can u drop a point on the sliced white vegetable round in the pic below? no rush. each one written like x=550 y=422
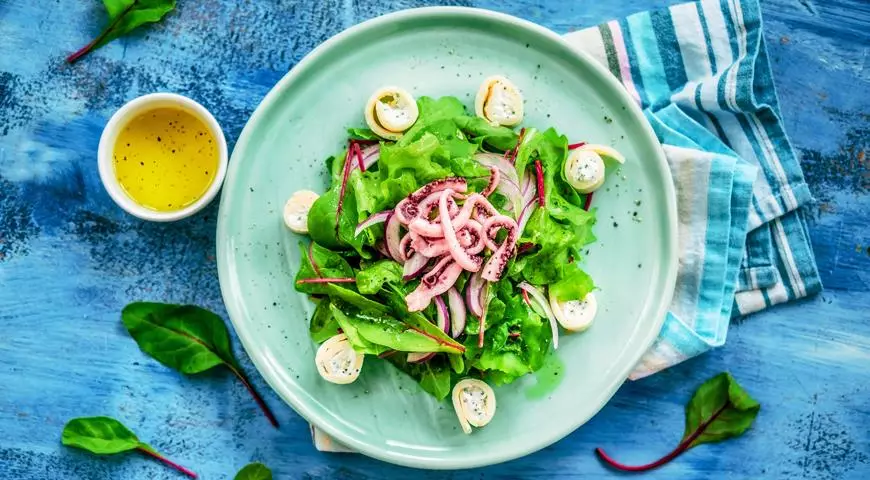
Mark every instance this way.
x=296 y=210
x=575 y=315
x=390 y=111
x=337 y=361
x=604 y=151
x=474 y=402
x=584 y=170
x=499 y=102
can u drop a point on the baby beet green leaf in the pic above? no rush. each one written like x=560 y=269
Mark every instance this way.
x=107 y=436
x=719 y=409
x=186 y=338
x=254 y=471
x=124 y=16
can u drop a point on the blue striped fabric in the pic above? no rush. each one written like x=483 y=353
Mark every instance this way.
x=700 y=71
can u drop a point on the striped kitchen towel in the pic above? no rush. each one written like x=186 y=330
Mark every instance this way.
x=700 y=72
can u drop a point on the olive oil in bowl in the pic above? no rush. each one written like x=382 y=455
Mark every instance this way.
x=165 y=159
x=162 y=157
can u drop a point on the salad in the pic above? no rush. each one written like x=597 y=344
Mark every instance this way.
x=449 y=244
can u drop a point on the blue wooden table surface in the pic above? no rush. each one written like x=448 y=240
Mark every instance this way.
x=70 y=259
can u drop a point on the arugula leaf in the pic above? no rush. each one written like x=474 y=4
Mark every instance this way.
x=323 y=324
x=254 y=471
x=346 y=295
x=365 y=328
x=720 y=409
x=107 y=436
x=124 y=16
x=432 y=375
x=186 y=338
x=373 y=278
x=321 y=223
x=100 y=435
x=330 y=265
x=348 y=326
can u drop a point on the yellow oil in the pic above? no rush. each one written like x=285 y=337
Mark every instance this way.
x=165 y=159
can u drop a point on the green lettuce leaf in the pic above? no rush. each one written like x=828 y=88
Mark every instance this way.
x=574 y=285
x=480 y=131
x=362 y=134
x=373 y=278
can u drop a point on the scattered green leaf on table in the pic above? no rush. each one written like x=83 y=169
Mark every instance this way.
x=186 y=338
x=254 y=471
x=124 y=16
x=107 y=436
x=720 y=409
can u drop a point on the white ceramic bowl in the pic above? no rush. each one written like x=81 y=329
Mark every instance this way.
x=120 y=119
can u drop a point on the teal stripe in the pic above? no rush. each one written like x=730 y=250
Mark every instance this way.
x=718 y=225
x=610 y=50
x=668 y=48
x=650 y=65
x=744 y=177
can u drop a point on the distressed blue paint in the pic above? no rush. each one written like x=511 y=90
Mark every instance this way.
x=70 y=260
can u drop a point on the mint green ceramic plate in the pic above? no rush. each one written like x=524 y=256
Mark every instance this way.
x=435 y=52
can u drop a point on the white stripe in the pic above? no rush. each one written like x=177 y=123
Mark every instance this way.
x=773 y=159
x=784 y=249
x=718 y=33
x=691 y=172
x=742 y=144
x=740 y=32
x=589 y=40
x=693 y=45
x=749 y=301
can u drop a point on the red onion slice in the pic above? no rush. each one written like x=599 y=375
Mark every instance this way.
x=381 y=247
x=370 y=155
x=458 y=314
x=472 y=294
x=525 y=215
x=392 y=238
x=508 y=171
x=375 y=219
x=443 y=315
x=414 y=267
x=420 y=357
x=545 y=306
x=459 y=254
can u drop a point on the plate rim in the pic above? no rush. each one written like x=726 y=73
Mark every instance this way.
x=236 y=311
